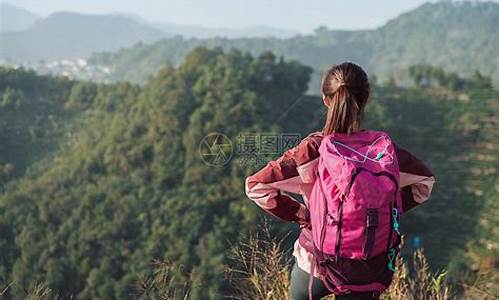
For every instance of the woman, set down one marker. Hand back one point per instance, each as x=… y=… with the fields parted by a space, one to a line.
x=345 y=89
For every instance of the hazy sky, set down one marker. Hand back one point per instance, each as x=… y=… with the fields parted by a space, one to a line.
x=300 y=15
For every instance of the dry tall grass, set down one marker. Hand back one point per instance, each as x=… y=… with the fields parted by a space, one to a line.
x=261 y=271
x=420 y=284
x=40 y=291
x=162 y=283
x=483 y=285
x=260 y=268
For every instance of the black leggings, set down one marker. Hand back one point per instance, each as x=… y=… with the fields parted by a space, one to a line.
x=299 y=288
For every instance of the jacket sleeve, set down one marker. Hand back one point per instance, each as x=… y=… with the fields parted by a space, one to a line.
x=266 y=186
x=416 y=179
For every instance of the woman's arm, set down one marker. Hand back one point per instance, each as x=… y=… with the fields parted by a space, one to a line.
x=265 y=187
x=416 y=179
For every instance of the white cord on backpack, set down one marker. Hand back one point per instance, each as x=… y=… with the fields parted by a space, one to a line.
x=365 y=156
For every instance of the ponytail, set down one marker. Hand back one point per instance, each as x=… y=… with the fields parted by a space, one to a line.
x=347 y=89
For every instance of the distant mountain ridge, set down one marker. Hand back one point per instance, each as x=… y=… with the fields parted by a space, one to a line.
x=13 y=18
x=206 y=32
x=194 y=31
x=27 y=37
x=71 y=35
x=460 y=37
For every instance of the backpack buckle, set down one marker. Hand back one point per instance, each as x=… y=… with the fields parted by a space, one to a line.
x=395 y=220
x=325 y=261
x=371 y=217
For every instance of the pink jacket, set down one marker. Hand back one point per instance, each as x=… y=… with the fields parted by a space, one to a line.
x=294 y=172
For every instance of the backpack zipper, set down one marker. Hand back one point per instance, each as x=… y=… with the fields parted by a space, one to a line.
x=339 y=231
x=393 y=219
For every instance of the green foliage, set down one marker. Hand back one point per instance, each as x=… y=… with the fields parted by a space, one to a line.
x=130 y=186
x=426 y=76
x=82 y=95
x=32 y=119
x=11 y=98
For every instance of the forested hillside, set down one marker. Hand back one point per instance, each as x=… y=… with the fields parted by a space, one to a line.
x=33 y=120
x=125 y=182
x=460 y=37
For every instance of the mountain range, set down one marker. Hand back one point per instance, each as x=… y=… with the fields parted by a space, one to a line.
x=13 y=18
x=459 y=37
x=66 y=35
x=71 y=35
x=193 y=31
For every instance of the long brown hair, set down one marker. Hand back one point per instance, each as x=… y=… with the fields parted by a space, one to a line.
x=347 y=89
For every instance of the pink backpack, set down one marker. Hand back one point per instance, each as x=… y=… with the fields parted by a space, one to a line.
x=354 y=209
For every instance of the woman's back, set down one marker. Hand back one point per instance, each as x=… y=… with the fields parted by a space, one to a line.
x=355 y=184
